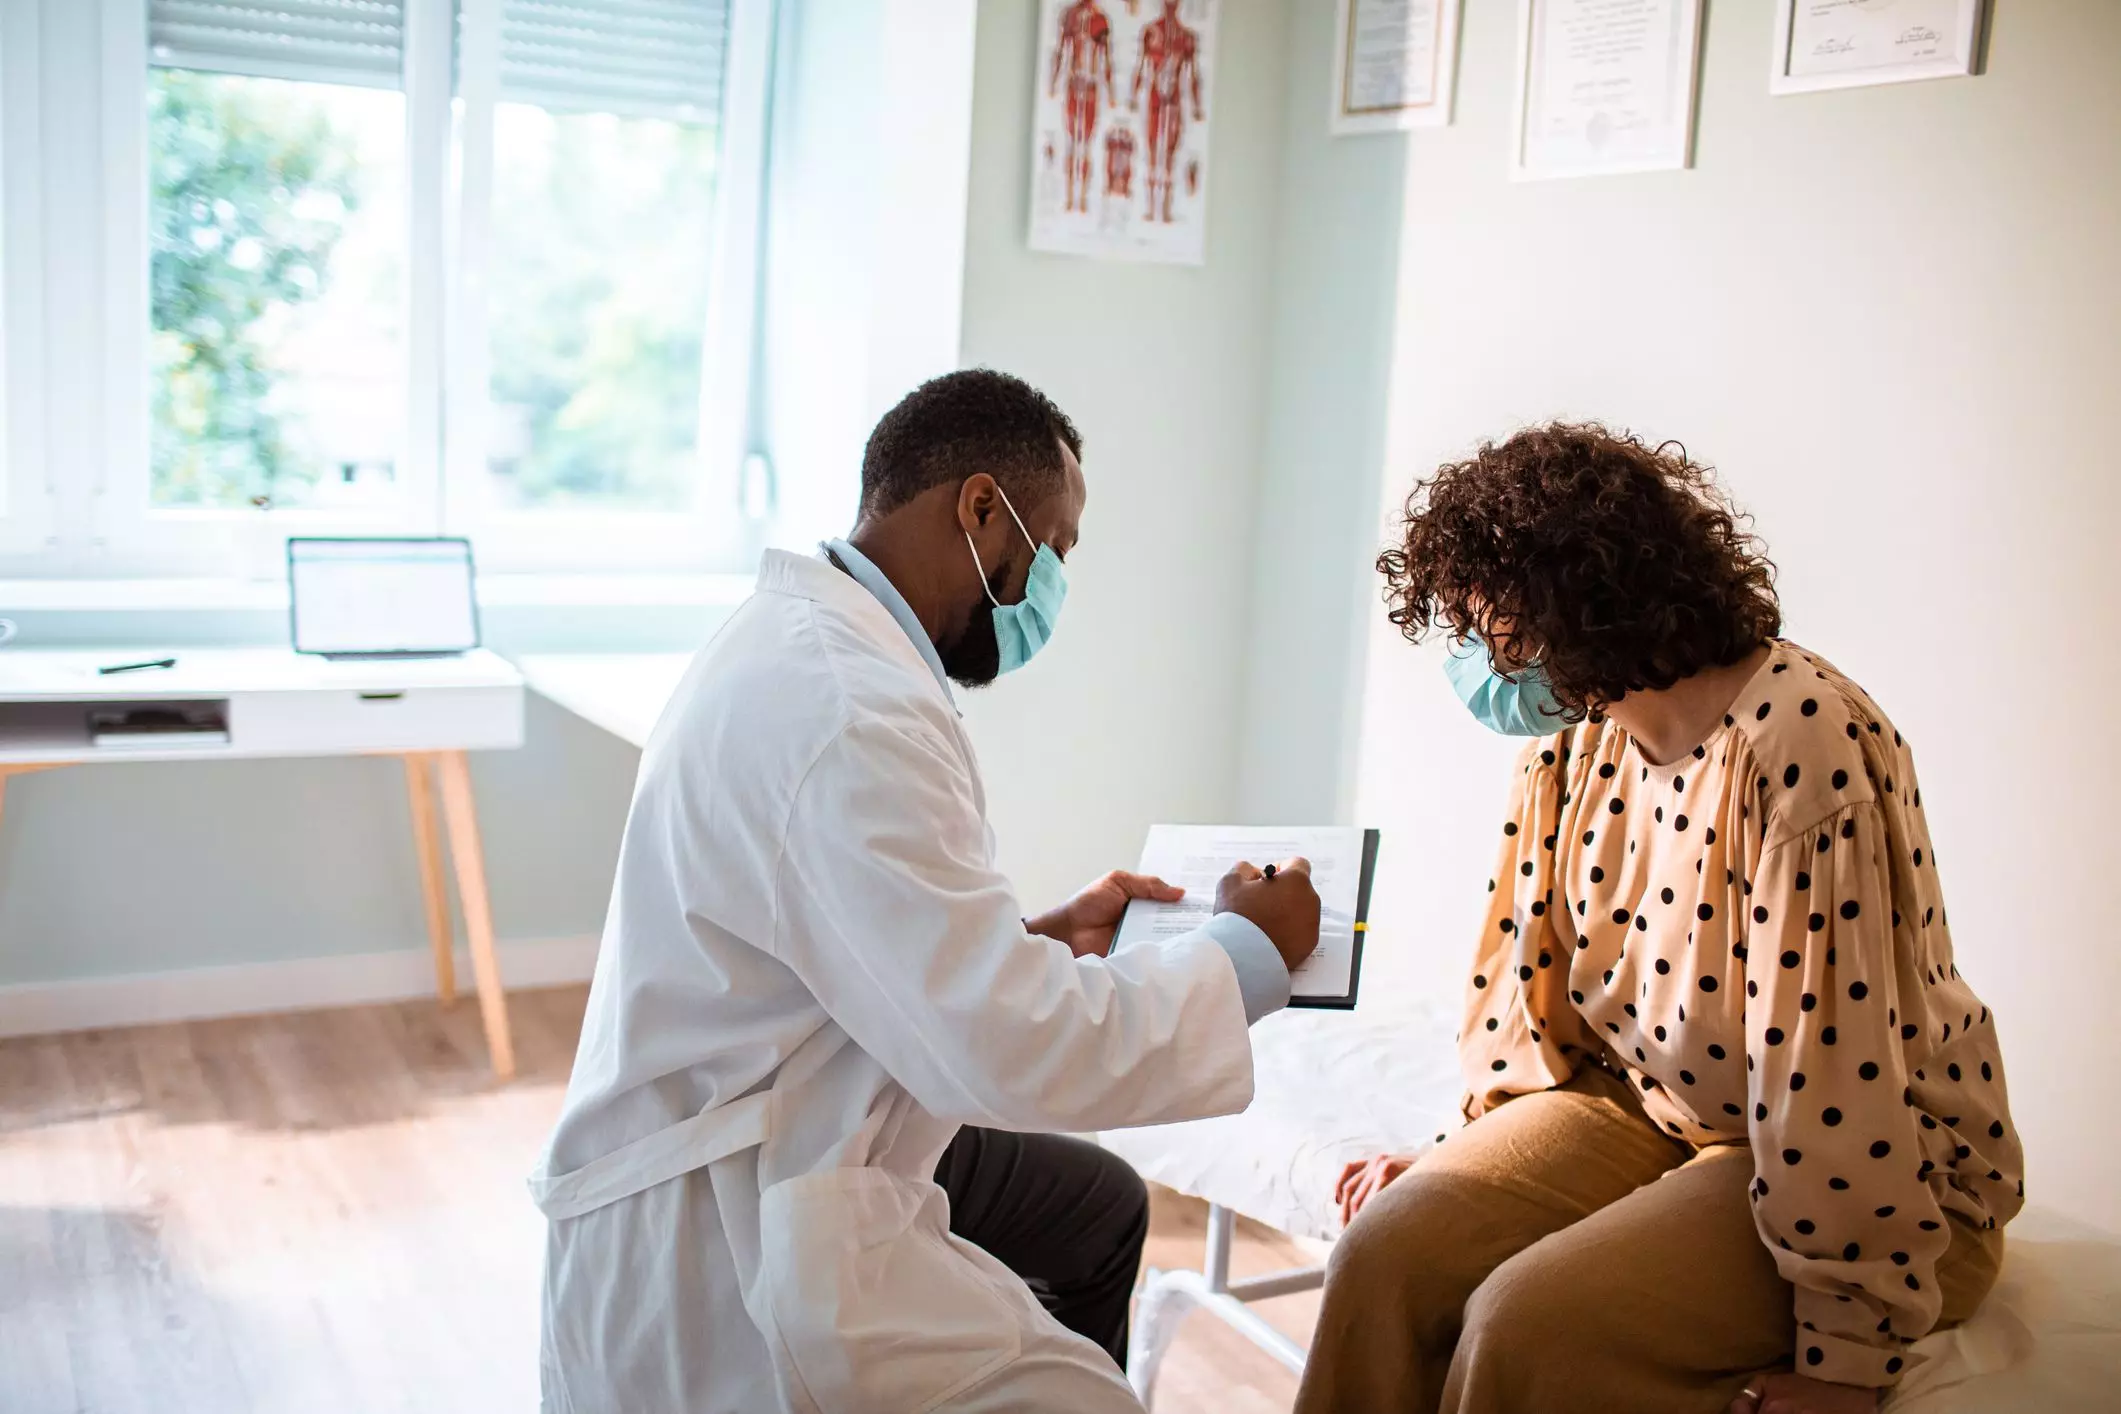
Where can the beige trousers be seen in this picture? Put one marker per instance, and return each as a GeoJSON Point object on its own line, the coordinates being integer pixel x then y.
{"type": "Point", "coordinates": [1559, 1254]}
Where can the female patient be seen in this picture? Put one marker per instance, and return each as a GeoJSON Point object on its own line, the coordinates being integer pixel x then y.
{"type": "Point", "coordinates": [1738, 1131]}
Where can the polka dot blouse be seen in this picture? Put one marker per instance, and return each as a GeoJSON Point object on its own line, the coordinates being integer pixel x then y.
{"type": "Point", "coordinates": [1755, 935]}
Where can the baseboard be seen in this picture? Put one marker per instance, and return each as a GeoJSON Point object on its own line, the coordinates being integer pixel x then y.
{"type": "Point", "coordinates": [300, 984]}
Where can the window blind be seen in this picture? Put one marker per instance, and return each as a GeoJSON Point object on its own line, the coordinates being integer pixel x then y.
{"type": "Point", "coordinates": [638, 58]}
{"type": "Point", "coordinates": [331, 41]}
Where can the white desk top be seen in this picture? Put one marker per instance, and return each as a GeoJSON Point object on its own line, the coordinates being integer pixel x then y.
{"type": "Point", "coordinates": [623, 693]}
{"type": "Point", "coordinates": [69, 674]}
{"type": "Point", "coordinates": [264, 702]}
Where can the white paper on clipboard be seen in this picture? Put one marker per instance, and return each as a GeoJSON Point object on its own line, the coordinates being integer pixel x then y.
{"type": "Point", "coordinates": [1195, 857]}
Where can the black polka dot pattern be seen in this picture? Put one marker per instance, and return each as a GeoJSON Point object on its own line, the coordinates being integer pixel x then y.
{"type": "Point", "coordinates": [1758, 941]}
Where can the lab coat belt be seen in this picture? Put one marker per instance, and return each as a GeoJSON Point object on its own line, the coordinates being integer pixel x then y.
{"type": "Point", "coordinates": [690, 1144]}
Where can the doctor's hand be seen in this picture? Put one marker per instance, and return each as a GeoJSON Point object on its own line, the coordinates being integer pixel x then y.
{"type": "Point", "coordinates": [1285, 907]}
{"type": "Point", "coordinates": [1087, 922]}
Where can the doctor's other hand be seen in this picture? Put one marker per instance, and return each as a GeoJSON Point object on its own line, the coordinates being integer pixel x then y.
{"type": "Point", "coordinates": [1365, 1179]}
{"type": "Point", "coordinates": [1088, 922]}
{"type": "Point", "coordinates": [1285, 906]}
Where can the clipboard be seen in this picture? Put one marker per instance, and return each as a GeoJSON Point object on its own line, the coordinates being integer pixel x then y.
{"type": "Point", "coordinates": [1195, 857]}
{"type": "Point", "coordinates": [1346, 1002]}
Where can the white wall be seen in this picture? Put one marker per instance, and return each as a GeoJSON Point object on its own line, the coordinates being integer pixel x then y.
{"type": "Point", "coordinates": [1889, 317]}
{"type": "Point", "coordinates": [864, 237]}
{"type": "Point", "coordinates": [1132, 715]}
{"type": "Point", "coordinates": [1336, 261]}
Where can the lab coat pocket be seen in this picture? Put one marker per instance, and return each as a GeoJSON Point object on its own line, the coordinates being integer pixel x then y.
{"type": "Point", "coordinates": [876, 1308]}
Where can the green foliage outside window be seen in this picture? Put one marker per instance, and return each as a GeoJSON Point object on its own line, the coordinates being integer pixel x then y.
{"type": "Point", "coordinates": [597, 301]}
{"type": "Point", "coordinates": [596, 294]}
{"type": "Point", "coordinates": [249, 193]}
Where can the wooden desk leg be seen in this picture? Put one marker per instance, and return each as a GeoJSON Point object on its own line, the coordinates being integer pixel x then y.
{"type": "Point", "coordinates": [463, 822]}
{"type": "Point", "coordinates": [427, 843]}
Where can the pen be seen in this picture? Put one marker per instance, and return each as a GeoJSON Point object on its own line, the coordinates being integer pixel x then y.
{"type": "Point", "coordinates": [138, 667]}
{"type": "Point", "coordinates": [1269, 871]}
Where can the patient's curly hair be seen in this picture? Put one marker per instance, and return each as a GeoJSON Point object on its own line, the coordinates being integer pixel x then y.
{"type": "Point", "coordinates": [1616, 566]}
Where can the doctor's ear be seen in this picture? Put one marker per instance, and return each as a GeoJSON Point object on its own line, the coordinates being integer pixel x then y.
{"type": "Point", "coordinates": [979, 500]}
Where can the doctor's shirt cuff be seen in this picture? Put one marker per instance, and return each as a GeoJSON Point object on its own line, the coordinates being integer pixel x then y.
{"type": "Point", "coordinates": [1262, 977]}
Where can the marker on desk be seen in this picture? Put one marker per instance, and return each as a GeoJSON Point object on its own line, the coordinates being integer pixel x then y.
{"type": "Point", "coordinates": [138, 667]}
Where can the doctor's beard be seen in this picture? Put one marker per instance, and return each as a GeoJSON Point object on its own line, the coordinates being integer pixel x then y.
{"type": "Point", "coordinates": [974, 659]}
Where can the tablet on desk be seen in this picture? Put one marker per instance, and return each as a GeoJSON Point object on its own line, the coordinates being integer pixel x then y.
{"type": "Point", "coordinates": [382, 596]}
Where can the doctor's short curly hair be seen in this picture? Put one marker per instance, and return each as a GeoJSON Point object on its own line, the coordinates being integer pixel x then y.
{"type": "Point", "coordinates": [1618, 567]}
{"type": "Point", "coordinates": [973, 420]}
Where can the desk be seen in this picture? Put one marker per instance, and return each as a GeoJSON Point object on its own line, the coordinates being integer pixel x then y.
{"type": "Point", "coordinates": [274, 702]}
{"type": "Point", "coordinates": [623, 693]}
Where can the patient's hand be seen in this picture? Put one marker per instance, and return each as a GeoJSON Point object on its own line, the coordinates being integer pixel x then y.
{"type": "Point", "coordinates": [1365, 1179]}
{"type": "Point", "coordinates": [1795, 1394]}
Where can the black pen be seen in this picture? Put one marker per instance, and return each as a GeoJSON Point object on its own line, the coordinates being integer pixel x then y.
{"type": "Point", "coordinates": [138, 667]}
{"type": "Point", "coordinates": [1270, 871]}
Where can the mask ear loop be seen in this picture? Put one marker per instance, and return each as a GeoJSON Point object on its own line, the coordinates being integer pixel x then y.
{"type": "Point", "coordinates": [975, 549]}
{"type": "Point", "coordinates": [1015, 517]}
{"type": "Point", "coordinates": [980, 570]}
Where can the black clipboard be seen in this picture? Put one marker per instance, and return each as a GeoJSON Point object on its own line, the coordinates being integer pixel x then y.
{"type": "Point", "coordinates": [1347, 1002]}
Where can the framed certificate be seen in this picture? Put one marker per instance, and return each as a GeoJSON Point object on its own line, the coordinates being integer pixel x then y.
{"type": "Point", "coordinates": [1823, 44]}
{"type": "Point", "coordinates": [1394, 65]}
{"type": "Point", "coordinates": [1604, 86]}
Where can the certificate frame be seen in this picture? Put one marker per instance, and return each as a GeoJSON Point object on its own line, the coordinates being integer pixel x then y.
{"type": "Point", "coordinates": [1675, 153]}
{"type": "Point", "coordinates": [1969, 34]}
{"type": "Point", "coordinates": [1344, 121]}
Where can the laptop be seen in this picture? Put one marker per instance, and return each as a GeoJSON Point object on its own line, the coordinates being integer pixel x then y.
{"type": "Point", "coordinates": [382, 596]}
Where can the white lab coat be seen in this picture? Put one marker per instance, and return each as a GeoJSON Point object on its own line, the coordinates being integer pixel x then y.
{"type": "Point", "coordinates": [811, 975]}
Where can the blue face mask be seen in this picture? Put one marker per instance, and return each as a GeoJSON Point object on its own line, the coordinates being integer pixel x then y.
{"type": "Point", "coordinates": [1521, 705]}
{"type": "Point", "coordinates": [1022, 628]}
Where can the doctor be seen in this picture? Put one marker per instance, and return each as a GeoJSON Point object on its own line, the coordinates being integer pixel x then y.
{"type": "Point", "coordinates": [813, 974]}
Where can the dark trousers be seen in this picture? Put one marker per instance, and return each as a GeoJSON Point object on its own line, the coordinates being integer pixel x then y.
{"type": "Point", "coordinates": [1063, 1214]}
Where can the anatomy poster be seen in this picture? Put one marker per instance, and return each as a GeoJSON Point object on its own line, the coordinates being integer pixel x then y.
{"type": "Point", "coordinates": [1119, 143]}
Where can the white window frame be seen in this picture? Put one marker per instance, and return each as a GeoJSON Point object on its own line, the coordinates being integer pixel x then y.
{"type": "Point", "coordinates": [28, 500]}
{"type": "Point", "coordinates": [86, 509]}
{"type": "Point", "coordinates": [710, 533]}
{"type": "Point", "coordinates": [131, 534]}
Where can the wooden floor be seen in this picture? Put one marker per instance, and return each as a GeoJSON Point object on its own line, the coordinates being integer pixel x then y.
{"type": "Point", "coordinates": [325, 1212]}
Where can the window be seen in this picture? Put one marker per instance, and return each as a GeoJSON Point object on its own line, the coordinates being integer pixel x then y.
{"type": "Point", "coordinates": [276, 221]}
{"type": "Point", "coordinates": [464, 266]}
{"type": "Point", "coordinates": [599, 308]}
{"type": "Point", "coordinates": [277, 252]}
{"type": "Point", "coordinates": [603, 195]}
{"type": "Point", "coordinates": [25, 500]}
{"type": "Point", "coordinates": [594, 167]}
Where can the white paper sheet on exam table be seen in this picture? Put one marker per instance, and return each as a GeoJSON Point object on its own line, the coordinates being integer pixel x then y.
{"type": "Point", "coordinates": [1195, 857]}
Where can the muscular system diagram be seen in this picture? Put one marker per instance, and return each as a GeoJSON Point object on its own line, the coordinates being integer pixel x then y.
{"type": "Point", "coordinates": [1169, 64]}
{"type": "Point", "coordinates": [1124, 91]}
{"type": "Point", "coordinates": [1082, 57]}
{"type": "Point", "coordinates": [1119, 163]}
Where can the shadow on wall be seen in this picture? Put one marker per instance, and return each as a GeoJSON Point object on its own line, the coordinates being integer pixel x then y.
{"type": "Point", "coordinates": [272, 861]}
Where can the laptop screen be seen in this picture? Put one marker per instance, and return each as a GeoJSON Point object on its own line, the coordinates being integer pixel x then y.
{"type": "Point", "coordinates": [382, 596]}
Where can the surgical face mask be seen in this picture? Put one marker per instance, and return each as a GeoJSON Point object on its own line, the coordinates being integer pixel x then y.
{"type": "Point", "coordinates": [1022, 628]}
{"type": "Point", "coordinates": [1519, 705]}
